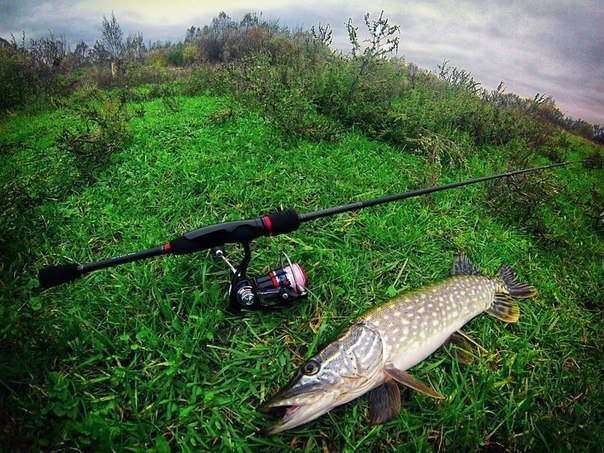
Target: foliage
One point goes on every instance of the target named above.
(280, 93)
(135, 48)
(102, 130)
(17, 76)
(175, 56)
(191, 55)
(205, 78)
(112, 37)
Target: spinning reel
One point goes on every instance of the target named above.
(284, 285)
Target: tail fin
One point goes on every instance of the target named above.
(503, 306)
(516, 289)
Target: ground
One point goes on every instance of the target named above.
(146, 355)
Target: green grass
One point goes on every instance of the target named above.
(147, 356)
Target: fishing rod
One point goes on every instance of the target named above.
(283, 285)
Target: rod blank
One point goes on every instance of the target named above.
(416, 193)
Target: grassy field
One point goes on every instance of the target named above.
(147, 356)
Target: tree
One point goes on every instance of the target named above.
(135, 47)
(213, 38)
(80, 54)
(98, 53)
(48, 53)
(112, 37)
(192, 33)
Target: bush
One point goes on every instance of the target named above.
(175, 56)
(17, 76)
(102, 130)
(281, 94)
(138, 74)
(206, 78)
(157, 58)
(359, 91)
(191, 55)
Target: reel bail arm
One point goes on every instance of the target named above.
(282, 286)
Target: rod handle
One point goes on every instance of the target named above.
(240, 231)
(50, 276)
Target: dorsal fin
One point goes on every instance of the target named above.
(462, 265)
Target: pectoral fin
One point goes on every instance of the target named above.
(384, 403)
(466, 347)
(408, 380)
(463, 352)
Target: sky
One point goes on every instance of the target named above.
(550, 47)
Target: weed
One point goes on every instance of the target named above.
(101, 130)
(169, 98)
(594, 160)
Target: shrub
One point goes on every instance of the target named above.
(191, 55)
(138, 74)
(206, 78)
(157, 58)
(359, 91)
(102, 130)
(281, 94)
(175, 56)
(17, 76)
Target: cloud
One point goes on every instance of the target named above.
(556, 48)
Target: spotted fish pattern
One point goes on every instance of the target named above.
(374, 352)
(414, 325)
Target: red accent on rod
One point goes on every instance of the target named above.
(268, 224)
(167, 248)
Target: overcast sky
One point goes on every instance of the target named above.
(551, 47)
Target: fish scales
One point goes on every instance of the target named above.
(373, 353)
(425, 318)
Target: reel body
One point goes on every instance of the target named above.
(282, 286)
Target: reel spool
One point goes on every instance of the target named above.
(282, 286)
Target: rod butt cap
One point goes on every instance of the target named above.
(50, 276)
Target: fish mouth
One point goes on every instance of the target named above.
(285, 413)
(295, 413)
(291, 416)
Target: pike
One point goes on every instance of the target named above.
(374, 353)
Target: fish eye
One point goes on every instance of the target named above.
(311, 367)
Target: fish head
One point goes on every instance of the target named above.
(343, 371)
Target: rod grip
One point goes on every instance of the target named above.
(283, 222)
(239, 231)
(50, 276)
